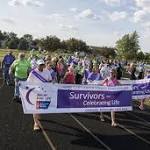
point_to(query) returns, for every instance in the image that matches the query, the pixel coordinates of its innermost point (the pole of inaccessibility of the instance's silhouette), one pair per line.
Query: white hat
(40, 62)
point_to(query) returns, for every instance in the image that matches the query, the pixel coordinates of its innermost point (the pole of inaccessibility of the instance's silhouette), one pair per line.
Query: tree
(140, 56)
(12, 35)
(35, 44)
(75, 45)
(108, 52)
(147, 57)
(63, 45)
(128, 46)
(9, 40)
(50, 43)
(28, 37)
(23, 44)
(13, 43)
(1, 38)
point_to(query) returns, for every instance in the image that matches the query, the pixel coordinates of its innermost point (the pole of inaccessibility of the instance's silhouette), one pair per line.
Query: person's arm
(104, 81)
(29, 67)
(30, 77)
(12, 68)
(118, 83)
(74, 79)
(65, 76)
(12, 59)
(50, 77)
(3, 62)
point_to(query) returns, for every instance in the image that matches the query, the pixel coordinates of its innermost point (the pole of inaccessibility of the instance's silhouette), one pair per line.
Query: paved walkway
(70, 131)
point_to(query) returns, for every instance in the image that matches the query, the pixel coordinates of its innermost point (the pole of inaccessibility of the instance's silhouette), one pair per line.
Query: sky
(97, 22)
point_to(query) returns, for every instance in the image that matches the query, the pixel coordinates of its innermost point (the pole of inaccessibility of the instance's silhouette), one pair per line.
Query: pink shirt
(110, 82)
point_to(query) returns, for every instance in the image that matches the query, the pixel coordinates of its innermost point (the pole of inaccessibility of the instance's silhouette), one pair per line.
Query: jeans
(17, 93)
(6, 74)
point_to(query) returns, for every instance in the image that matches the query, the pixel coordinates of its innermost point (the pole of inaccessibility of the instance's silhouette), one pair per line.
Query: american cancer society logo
(43, 100)
(42, 104)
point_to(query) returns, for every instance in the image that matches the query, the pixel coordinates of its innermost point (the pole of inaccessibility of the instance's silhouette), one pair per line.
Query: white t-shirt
(45, 74)
(33, 63)
(105, 71)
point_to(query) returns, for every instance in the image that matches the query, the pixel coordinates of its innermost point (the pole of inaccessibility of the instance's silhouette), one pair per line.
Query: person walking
(20, 70)
(6, 63)
(111, 81)
(36, 76)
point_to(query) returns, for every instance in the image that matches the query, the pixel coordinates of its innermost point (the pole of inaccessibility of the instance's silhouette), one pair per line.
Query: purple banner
(92, 99)
(141, 89)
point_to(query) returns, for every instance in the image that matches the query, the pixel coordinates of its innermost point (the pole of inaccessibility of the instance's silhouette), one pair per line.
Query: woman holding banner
(147, 76)
(39, 75)
(111, 81)
(69, 77)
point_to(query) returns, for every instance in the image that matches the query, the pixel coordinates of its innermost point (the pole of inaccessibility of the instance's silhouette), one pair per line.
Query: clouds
(68, 27)
(56, 17)
(90, 19)
(74, 9)
(142, 13)
(61, 21)
(112, 2)
(144, 4)
(15, 3)
(31, 3)
(139, 15)
(88, 14)
(8, 20)
(115, 16)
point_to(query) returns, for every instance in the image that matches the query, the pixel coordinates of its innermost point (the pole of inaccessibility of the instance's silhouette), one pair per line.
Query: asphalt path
(80, 131)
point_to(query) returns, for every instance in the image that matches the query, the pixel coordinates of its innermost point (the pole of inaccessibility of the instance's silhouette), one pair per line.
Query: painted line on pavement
(147, 122)
(3, 83)
(49, 141)
(89, 132)
(142, 112)
(131, 132)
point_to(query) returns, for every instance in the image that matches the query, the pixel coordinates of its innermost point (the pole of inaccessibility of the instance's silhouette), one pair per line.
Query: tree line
(127, 47)
(10, 40)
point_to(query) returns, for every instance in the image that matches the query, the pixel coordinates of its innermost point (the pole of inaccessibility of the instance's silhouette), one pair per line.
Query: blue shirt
(94, 76)
(8, 59)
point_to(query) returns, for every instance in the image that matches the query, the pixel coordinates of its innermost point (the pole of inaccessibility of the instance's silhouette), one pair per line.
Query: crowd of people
(73, 69)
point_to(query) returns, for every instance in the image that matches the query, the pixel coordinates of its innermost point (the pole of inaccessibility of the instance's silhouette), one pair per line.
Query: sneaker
(7, 83)
(19, 101)
(36, 127)
(15, 98)
(102, 118)
(141, 107)
(113, 124)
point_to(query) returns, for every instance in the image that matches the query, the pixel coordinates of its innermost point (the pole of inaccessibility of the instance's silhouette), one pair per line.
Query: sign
(63, 98)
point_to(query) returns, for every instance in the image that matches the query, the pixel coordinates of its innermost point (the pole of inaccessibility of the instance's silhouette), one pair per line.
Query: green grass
(146, 103)
(3, 52)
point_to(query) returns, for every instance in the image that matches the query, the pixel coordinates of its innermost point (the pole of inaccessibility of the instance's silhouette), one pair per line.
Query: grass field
(3, 52)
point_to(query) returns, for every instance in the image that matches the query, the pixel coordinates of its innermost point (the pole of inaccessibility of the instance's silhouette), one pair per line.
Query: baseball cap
(40, 62)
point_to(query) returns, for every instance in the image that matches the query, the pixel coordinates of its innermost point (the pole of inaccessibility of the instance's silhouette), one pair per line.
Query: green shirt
(79, 70)
(21, 68)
